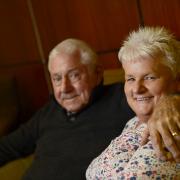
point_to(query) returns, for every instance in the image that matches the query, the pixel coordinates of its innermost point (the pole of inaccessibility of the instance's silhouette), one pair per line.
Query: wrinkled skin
(164, 121)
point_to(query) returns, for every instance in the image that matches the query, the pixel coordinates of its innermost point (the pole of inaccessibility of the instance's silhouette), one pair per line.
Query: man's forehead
(71, 55)
(64, 61)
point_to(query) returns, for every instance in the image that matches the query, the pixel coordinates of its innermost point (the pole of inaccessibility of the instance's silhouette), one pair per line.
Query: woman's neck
(143, 119)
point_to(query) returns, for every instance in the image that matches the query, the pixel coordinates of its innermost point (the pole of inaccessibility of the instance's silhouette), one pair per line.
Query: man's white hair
(156, 42)
(71, 46)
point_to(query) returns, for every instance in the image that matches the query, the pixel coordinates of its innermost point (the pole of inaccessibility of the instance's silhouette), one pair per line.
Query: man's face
(72, 82)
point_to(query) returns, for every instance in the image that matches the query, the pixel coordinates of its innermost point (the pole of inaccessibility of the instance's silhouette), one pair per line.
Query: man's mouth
(69, 97)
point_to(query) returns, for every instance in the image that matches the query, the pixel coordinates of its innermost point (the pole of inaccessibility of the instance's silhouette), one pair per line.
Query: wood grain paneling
(162, 13)
(26, 41)
(18, 44)
(31, 87)
(101, 23)
(110, 60)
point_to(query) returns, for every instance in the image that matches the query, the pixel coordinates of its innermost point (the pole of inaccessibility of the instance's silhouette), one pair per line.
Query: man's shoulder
(117, 85)
(50, 104)
(115, 88)
(50, 110)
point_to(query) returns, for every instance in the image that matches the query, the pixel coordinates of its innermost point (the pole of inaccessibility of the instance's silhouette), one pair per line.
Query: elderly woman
(151, 60)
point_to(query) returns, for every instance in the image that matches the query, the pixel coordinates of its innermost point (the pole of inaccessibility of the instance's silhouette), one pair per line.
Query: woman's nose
(139, 87)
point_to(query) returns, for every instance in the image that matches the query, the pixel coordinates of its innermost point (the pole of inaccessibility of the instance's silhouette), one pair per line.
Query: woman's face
(146, 80)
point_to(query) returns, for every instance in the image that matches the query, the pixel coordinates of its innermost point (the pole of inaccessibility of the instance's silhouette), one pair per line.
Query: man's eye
(57, 80)
(75, 76)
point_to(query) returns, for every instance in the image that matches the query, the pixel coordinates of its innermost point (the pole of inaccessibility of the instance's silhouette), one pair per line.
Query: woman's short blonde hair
(156, 42)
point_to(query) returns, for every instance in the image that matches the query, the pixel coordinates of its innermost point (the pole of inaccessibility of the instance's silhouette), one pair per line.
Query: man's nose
(66, 85)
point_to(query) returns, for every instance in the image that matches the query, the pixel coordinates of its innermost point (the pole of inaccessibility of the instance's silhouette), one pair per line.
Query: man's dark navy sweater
(64, 145)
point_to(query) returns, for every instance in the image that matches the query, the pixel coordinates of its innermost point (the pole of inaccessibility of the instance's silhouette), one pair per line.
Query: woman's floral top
(126, 159)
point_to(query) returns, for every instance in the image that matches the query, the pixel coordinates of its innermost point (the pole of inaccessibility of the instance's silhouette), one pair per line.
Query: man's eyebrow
(74, 69)
(69, 71)
(56, 75)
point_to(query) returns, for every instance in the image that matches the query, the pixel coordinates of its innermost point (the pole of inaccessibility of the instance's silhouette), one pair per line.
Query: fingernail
(163, 158)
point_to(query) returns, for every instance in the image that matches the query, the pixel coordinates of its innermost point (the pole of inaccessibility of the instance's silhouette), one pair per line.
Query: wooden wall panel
(31, 87)
(110, 60)
(101, 23)
(20, 57)
(18, 44)
(163, 13)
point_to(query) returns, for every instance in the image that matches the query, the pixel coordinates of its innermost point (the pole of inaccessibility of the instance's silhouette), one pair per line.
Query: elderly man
(77, 123)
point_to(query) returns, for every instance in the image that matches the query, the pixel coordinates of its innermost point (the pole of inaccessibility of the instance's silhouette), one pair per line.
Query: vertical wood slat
(103, 23)
(39, 44)
(162, 13)
(20, 57)
(18, 43)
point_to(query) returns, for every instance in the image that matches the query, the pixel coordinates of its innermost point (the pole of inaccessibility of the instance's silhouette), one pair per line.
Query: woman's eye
(150, 78)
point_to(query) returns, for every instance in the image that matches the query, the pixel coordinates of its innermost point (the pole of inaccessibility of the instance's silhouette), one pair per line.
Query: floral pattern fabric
(126, 159)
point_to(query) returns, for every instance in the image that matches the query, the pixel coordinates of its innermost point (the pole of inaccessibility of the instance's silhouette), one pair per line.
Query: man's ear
(99, 73)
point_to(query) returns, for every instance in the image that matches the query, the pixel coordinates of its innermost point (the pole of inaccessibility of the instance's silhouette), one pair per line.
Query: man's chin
(72, 107)
(75, 110)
